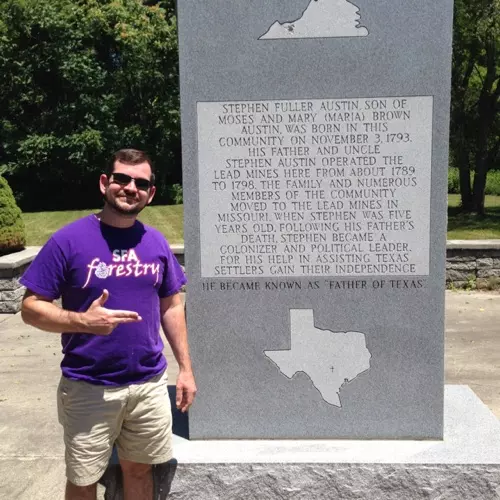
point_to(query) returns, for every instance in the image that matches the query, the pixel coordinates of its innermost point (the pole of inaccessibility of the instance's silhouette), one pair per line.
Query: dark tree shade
(79, 81)
(475, 122)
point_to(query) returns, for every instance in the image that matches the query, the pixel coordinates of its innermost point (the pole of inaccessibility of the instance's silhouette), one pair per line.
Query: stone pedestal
(464, 465)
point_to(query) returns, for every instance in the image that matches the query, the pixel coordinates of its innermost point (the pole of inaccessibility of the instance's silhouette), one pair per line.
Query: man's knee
(134, 469)
(74, 492)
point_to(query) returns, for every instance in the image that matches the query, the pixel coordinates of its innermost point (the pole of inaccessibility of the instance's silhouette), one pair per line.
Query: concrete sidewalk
(31, 448)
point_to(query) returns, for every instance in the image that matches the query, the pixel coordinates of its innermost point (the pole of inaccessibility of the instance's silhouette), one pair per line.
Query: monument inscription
(324, 187)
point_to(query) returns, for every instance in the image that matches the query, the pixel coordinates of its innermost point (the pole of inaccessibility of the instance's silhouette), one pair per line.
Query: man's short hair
(130, 157)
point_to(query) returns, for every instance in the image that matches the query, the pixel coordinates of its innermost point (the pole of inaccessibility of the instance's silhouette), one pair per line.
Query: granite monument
(315, 155)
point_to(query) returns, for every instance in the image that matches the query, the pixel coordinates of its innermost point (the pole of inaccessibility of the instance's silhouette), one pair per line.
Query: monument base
(465, 465)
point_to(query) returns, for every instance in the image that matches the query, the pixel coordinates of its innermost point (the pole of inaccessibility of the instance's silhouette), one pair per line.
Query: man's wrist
(77, 322)
(185, 367)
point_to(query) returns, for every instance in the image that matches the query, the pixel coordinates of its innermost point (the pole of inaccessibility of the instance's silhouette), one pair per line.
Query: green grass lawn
(41, 225)
(169, 220)
(471, 227)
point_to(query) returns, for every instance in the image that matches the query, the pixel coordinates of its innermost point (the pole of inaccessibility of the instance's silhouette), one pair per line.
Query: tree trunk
(486, 118)
(464, 175)
(461, 145)
(479, 185)
(463, 158)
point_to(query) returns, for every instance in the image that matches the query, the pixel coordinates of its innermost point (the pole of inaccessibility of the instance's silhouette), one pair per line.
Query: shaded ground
(462, 226)
(31, 448)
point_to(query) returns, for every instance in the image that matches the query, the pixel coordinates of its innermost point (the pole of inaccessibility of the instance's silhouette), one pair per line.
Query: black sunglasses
(124, 180)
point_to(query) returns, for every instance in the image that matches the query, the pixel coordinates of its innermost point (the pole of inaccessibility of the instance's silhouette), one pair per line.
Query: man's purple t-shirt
(137, 268)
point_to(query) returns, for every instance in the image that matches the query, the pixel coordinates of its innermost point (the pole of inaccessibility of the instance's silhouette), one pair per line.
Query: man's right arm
(42, 313)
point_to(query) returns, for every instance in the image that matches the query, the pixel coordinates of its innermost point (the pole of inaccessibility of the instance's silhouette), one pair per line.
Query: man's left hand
(185, 390)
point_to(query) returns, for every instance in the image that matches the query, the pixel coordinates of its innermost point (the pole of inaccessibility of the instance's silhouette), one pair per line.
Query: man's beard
(121, 210)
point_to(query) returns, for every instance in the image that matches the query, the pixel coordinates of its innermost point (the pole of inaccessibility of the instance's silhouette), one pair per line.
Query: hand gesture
(101, 321)
(185, 391)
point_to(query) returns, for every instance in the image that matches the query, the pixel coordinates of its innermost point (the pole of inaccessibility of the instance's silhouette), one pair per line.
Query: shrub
(453, 181)
(493, 283)
(493, 183)
(12, 230)
(175, 194)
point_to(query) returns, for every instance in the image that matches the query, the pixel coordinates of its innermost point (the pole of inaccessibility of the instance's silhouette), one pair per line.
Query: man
(119, 281)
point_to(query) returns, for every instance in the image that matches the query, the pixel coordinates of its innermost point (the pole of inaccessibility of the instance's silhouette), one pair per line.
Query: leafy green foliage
(493, 183)
(475, 122)
(453, 181)
(12, 231)
(80, 80)
(176, 194)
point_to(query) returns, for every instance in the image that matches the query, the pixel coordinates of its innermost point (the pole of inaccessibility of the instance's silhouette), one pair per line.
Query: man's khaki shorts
(136, 417)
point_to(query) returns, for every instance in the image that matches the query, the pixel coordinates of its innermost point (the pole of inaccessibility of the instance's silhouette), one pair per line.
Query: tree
(12, 231)
(81, 79)
(475, 130)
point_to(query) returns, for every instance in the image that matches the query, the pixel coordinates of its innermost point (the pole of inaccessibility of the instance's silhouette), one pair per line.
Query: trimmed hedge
(12, 230)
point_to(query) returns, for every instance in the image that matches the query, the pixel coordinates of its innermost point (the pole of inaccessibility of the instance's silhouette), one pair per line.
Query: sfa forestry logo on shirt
(125, 263)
